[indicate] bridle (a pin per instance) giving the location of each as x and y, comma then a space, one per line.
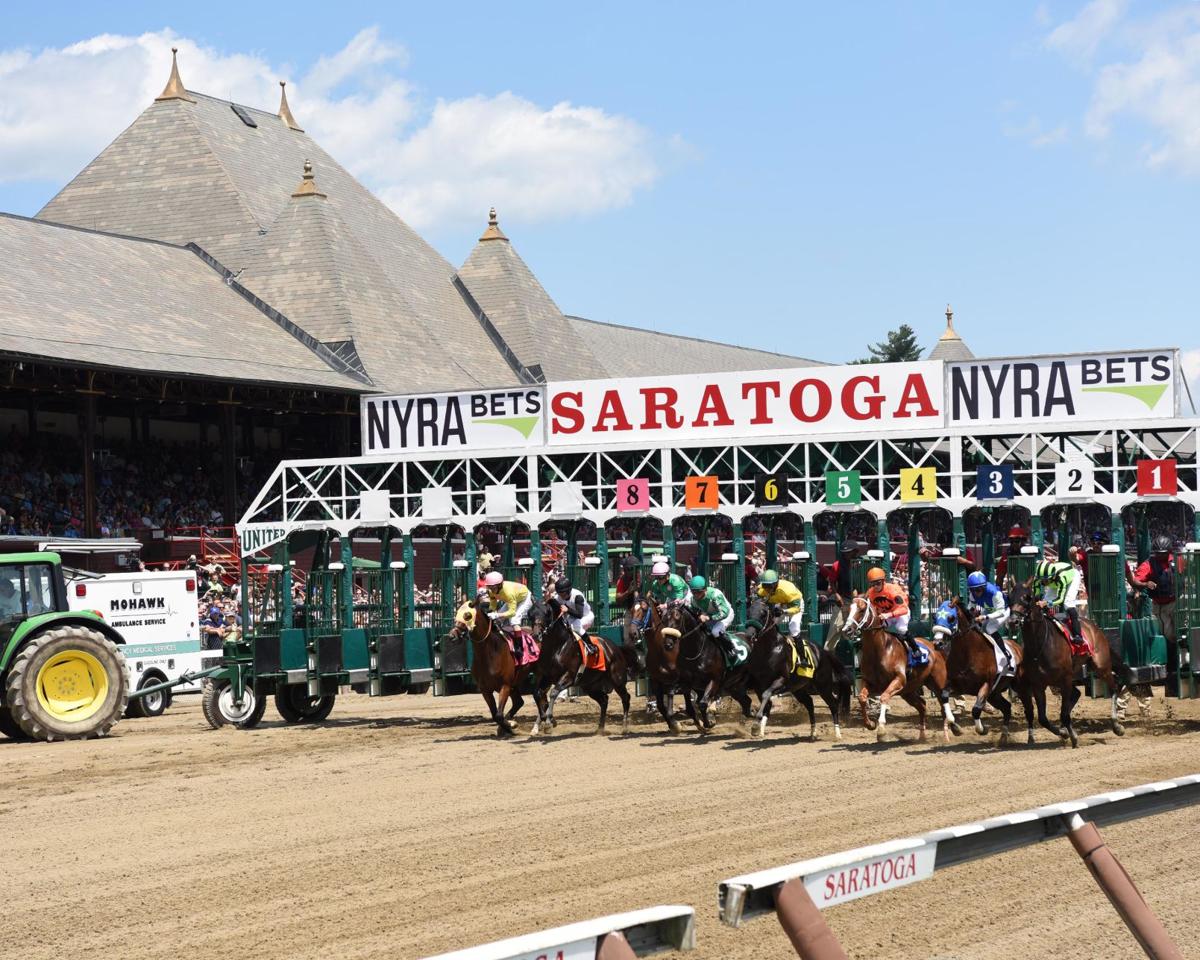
853, 626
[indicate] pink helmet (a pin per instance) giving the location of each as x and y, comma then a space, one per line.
660, 569
494, 578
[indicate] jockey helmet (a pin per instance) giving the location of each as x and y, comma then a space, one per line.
661, 569
1016, 532
629, 563
876, 575
1162, 544
563, 586
849, 547
698, 583
977, 581
768, 578
494, 579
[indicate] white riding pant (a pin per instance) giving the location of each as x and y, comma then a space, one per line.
795, 623
993, 623
512, 623
718, 627
582, 625
897, 624
1071, 600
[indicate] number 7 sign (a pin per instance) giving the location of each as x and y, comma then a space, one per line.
700, 493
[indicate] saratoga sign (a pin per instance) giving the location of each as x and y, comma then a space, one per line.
900, 398
742, 405
865, 877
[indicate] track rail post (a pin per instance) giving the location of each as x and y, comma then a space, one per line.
1119, 887
614, 946
804, 925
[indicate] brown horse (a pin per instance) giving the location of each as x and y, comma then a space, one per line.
1050, 663
496, 673
687, 657
883, 660
971, 669
770, 672
559, 663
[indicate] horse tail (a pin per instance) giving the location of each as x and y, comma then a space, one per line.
843, 682
633, 656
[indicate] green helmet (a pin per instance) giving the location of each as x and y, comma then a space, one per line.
698, 583
768, 577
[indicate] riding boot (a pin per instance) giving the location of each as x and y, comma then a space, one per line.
914, 651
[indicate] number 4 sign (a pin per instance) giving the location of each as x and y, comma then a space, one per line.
918, 483
1157, 478
633, 495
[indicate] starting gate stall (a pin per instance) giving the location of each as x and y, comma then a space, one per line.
834, 529
1187, 616
640, 537
707, 545
780, 539
986, 529
930, 564
932, 439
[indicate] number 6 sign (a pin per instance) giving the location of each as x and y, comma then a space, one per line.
633, 495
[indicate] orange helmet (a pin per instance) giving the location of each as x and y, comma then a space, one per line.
876, 573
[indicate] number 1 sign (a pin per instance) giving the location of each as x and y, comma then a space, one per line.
1157, 478
633, 495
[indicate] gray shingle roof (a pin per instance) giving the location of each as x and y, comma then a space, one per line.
195, 172
950, 345
634, 352
521, 310
101, 300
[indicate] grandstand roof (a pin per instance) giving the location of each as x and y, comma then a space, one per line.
950, 345
100, 300
339, 265
636, 352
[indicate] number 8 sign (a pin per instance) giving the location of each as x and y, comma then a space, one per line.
633, 495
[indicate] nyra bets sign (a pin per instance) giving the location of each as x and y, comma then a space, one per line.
1100, 388
906, 397
501, 419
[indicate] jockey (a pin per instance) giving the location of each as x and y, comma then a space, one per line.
664, 587
890, 604
783, 593
988, 607
577, 610
510, 601
714, 610
1059, 582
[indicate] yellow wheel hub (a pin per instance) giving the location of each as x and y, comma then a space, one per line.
72, 686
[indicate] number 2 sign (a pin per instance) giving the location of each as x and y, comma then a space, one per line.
633, 495
1074, 479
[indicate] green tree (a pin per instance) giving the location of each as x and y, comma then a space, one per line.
901, 345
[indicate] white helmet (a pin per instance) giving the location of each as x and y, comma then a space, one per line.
660, 569
494, 579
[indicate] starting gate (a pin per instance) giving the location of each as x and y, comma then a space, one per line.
724, 574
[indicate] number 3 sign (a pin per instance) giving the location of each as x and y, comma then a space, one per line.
633, 495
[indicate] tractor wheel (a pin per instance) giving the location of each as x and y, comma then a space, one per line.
296, 706
8, 726
219, 708
154, 705
68, 683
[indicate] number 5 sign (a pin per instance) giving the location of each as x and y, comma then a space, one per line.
843, 486
633, 495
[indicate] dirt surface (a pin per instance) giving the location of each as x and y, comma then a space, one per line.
403, 828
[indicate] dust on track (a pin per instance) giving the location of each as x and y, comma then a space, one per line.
403, 827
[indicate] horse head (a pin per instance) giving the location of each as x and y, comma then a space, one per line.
1020, 605
677, 622
859, 617
759, 616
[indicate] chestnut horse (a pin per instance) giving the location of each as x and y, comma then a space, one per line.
1050, 663
559, 663
492, 665
770, 672
971, 669
883, 660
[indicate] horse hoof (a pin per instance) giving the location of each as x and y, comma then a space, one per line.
1030, 741
1118, 729
1074, 740
837, 732
673, 727
879, 734
535, 730
979, 728
1003, 738
956, 729
870, 724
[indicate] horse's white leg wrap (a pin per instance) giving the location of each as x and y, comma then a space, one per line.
947, 712
762, 725
882, 713
837, 730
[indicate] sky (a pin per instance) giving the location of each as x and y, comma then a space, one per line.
799, 177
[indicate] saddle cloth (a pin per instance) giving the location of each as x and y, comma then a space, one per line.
801, 665
1005, 669
740, 652
1081, 649
524, 648
593, 661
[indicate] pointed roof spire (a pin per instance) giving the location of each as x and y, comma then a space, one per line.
950, 333
308, 186
174, 90
285, 114
493, 231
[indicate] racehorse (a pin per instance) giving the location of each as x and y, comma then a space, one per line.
883, 660
680, 653
971, 669
770, 672
493, 666
559, 663
1049, 663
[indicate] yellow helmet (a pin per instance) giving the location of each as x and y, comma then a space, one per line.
876, 573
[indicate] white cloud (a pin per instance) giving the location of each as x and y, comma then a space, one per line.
1033, 133
62, 106
1153, 81
1080, 36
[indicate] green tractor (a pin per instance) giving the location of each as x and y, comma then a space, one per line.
62, 676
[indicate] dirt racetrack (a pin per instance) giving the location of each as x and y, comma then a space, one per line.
402, 828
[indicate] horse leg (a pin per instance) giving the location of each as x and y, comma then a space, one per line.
805, 699
743, 701
977, 710
1026, 695
517, 703
623, 693
890, 691
1117, 727
663, 702
764, 705
602, 699
833, 701
1069, 694
501, 702
916, 700
1040, 697
1001, 703
706, 697
863, 696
